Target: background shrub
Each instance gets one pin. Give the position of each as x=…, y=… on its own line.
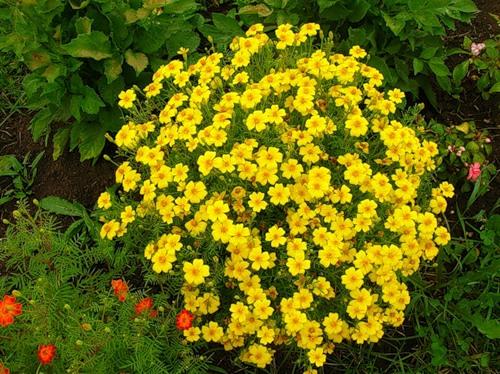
x=82, y=53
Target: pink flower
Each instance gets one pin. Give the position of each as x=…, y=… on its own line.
x=476, y=48
x=474, y=171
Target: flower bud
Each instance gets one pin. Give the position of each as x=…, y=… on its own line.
x=86, y=326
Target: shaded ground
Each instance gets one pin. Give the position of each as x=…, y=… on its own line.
x=471, y=106
x=67, y=177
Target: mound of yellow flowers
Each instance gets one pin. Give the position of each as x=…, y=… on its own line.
x=290, y=164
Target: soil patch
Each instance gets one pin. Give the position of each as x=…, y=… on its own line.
x=470, y=106
x=66, y=177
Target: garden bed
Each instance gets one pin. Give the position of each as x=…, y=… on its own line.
x=83, y=182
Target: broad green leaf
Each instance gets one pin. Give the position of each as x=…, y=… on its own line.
x=93, y=45
x=61, y=206
x=324, y=4
x=40, y=123
x=218, y=36
x=260, y=9
x=91, y=101
x=109, y=91
x=444, y=82
x=438, y=67
x=91, y=140
x=83, y=25
x=226, y=24
x=395, y=24
x=361, y=7
x=37, y=59
x=53, y=71
x=428, y=53
x=112, y=68
x=75, y=105
x=495, y=88
x=178, y=6
x=335, y=12
x=79, y=4
x=426, y=86
x=466, y=6
x=460, y=71
x=60, y=140
x=138, y=60
x=9, y=165
x=186, y=39
x=489, y=327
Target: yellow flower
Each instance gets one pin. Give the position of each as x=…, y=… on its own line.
x=192, y=334
x=275, y=235
x=212, y=332
x=352, y=279
x=127, y=99
x=279, y=194
x=317, y=357
x=162, y=260
x=110, y=229
x=104, y=200
x=195, y=272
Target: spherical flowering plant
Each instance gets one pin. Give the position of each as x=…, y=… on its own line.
x=280, y=183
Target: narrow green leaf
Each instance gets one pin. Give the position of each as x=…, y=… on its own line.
x=262, y=10
x=40, y=123
x=61, y=206
x=60, y=140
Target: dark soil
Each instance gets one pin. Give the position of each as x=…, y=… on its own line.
x=67, y=177
x=470, y=106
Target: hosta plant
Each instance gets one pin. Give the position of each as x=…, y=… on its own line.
x=281, y=191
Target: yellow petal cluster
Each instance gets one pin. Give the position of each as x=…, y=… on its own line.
x=296, y=168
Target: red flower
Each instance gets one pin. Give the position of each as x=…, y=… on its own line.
x=474, y=171
x=8, y=310
x=145, y=305
x=184, y=320
x=120, y=288
x=3, y=369
x=46, y=353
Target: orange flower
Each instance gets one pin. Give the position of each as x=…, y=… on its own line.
x=3, y=369
x=46, y=353
x=120, y=288
x=8, y=310
x=184, y=320
x=145, y=305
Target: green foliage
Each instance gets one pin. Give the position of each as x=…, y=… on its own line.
x=404, y=38
x=64, y=287
x=482, y=66
x=456, y=303
x=81, y=56
x=460, y=146
x=21, y=175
